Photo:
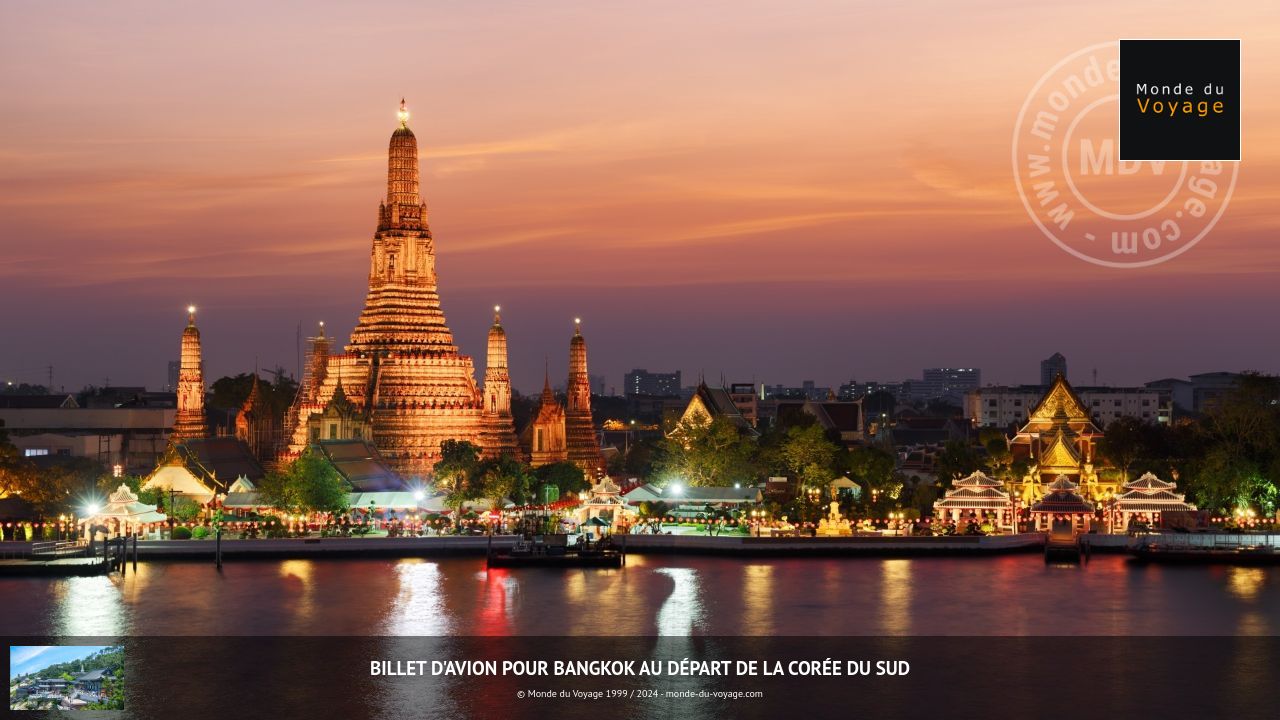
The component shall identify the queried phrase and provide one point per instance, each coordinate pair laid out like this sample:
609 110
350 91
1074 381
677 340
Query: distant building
1051 367
175 367
598 385
641 382
948 383
744 397
1003 406
844 418
1198 394
808 390
854 390
132 437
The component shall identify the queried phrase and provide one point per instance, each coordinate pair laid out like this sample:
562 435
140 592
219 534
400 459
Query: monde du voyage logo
1125 154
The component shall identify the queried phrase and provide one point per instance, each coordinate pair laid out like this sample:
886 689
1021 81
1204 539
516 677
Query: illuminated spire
402 171
191 314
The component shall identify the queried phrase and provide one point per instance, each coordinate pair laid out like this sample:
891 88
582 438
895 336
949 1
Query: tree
1241 456
1123 443
957 459
308 484
809 455
457 473
505 477
873 467
567 477
53 489
705 452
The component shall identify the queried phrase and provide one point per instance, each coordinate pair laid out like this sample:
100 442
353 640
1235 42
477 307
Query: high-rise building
655 384
949 383
175 366
1051 367
599 385
190 422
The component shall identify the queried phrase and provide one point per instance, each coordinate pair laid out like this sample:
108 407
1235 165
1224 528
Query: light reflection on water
681 612
671 596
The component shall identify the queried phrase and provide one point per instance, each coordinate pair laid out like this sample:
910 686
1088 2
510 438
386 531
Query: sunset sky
774 191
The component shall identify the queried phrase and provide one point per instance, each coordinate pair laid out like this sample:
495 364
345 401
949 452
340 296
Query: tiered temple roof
1150 494
1062 498
401 369
973 493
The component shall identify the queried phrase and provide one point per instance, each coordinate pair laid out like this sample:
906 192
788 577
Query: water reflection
1246 582
682 611
88 606
895 597
419 607
757 599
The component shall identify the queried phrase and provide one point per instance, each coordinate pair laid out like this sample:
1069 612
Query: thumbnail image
66 677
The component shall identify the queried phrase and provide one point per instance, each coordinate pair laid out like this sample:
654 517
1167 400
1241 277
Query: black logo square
1179 100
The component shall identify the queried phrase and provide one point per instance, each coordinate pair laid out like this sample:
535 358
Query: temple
190 422
257 425
1147 501
401 372
498 434
560 433
1059 439
977 497
579 429
545 436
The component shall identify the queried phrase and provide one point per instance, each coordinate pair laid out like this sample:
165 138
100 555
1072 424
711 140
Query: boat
1226 549
557 551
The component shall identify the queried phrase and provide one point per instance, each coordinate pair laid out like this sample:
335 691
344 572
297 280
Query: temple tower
547 431
499 434
190 422
401 371
257 423
580 432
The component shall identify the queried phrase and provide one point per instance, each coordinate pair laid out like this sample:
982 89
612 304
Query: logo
1082 196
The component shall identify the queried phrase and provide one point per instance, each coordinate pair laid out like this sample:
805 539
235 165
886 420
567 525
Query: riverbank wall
727 546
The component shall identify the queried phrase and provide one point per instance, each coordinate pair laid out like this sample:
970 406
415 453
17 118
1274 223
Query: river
653 595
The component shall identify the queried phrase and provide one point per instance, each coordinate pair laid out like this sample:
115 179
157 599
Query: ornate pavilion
1062 504
1059 439
976 496
1145 500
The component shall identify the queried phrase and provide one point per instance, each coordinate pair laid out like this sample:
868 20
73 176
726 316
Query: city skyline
772 229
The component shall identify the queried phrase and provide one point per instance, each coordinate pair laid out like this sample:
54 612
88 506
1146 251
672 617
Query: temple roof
1062 502
1062 483
978 479
1149 482
360 464
218 461
1061 398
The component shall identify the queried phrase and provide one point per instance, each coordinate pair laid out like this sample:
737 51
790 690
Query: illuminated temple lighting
401 370
190 422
